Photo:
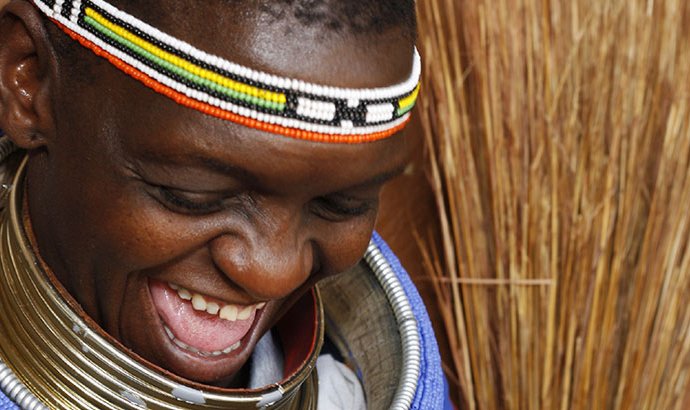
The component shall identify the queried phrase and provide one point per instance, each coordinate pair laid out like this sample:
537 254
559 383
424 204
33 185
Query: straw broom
559 142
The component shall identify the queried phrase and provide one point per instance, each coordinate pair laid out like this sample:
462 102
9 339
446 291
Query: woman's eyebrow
200 162
379 178
225 168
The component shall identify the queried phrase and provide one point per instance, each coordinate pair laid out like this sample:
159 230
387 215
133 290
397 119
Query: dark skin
125 186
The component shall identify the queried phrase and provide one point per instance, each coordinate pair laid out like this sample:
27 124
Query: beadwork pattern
220 88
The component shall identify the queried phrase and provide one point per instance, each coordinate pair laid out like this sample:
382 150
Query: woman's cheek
345 245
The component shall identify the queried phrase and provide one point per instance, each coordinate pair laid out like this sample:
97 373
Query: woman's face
136 201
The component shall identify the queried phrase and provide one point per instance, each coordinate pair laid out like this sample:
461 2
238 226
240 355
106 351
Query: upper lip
215 295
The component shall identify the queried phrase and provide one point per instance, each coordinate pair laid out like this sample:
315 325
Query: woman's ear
27 67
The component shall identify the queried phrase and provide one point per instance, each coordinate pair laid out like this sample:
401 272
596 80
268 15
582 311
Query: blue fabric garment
6 403
432 391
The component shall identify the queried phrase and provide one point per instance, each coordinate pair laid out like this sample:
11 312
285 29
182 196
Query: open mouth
200 324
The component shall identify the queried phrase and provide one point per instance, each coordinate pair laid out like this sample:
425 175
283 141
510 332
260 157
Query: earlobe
26 66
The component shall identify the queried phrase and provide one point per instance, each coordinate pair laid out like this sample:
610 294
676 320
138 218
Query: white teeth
184 294
193 349
198 302
229 312
246 312
186 346
212 308
231 348
181 344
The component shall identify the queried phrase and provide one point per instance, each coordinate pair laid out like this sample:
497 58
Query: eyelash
333 208
191 207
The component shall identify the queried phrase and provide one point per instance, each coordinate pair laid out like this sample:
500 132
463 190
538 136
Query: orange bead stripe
227 115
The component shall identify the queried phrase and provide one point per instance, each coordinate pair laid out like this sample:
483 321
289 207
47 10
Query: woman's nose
268 261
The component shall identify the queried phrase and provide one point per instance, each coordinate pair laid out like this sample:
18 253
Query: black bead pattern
67 8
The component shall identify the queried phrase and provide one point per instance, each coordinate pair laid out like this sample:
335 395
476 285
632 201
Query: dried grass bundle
559 134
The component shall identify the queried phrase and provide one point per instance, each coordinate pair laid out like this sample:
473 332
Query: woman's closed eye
195 203
340 208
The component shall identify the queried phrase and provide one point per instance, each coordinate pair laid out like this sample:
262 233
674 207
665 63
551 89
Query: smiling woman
178 192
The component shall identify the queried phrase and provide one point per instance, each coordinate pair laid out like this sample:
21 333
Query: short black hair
354 16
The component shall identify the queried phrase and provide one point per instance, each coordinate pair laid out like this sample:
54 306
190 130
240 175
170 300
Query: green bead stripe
272 105
404 110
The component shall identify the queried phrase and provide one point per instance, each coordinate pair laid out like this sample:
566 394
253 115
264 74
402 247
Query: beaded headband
230 91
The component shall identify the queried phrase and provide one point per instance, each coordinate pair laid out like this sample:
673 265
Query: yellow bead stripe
186 65
409 100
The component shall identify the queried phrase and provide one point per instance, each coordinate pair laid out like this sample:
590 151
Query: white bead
191 51
253 75
302 86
